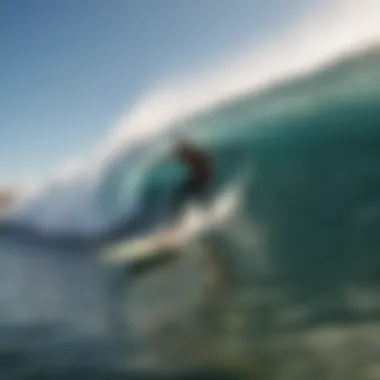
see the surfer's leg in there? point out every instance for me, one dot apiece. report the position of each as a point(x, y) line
point(192, 190)
point(201, 194)
point(182, 196)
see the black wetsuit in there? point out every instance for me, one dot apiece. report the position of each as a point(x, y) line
point(197, 186)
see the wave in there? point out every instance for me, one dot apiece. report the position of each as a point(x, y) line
point(248, 100)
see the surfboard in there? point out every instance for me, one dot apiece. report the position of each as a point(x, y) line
point(142, 247)
point(143, 254)
point(167, 242)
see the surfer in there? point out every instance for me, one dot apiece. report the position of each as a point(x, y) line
point(199, 164)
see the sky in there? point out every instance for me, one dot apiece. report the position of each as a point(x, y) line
point(71, 68)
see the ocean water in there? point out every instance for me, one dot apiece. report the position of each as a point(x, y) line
point(298, 296)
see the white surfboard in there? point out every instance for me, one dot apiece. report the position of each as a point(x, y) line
point(170, 239)
point(141, 248)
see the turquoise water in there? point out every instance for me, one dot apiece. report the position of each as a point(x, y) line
point(333, 109)
point(309, 151)
point(303, 250)
point(306, 239)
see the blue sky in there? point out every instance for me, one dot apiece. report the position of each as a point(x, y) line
point(70, 68)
